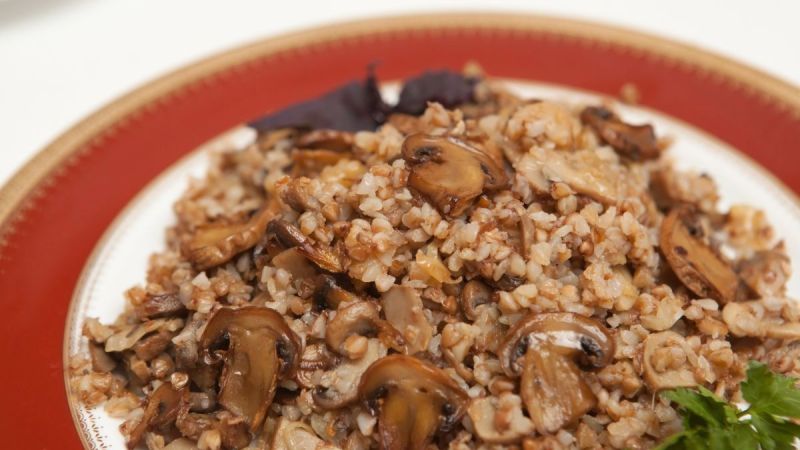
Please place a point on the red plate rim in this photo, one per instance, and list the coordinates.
(38, 178)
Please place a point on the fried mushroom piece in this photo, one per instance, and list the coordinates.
(767, 271)
(289, 236)
(695, 263)
(157, 306)
(756, 319)
(667, 361)
(412, 399)
(216, 244)
(637, 142)
(451, 173)
(348, 331)
(163, 406)
(544, 349)
(326, 139)
(262, 349)
(403, 309)
(474, 294)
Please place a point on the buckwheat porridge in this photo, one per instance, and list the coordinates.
(465, 270)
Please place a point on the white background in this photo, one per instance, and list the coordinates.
(62, 59)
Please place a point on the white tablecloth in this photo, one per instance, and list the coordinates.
(62, 59)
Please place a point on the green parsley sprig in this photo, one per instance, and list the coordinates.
(710, 422)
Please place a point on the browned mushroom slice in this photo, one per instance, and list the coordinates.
(544, 347)
(695, 263)
(499, 419)
(295, 435)
(295, 263)
(668, 362)
(340, 141)
(450, 173)
(474, 294)
(347, 332)
(127, 336)
(586, 171)
(315, 359)
(163, 305)
(213, 245)
(766, 272)
(262, 348)
(402, 307)
(339, 386)
(412, 399)
(297, 193)
(753, 319)
(328, 294)
(162, 408)
(290, 236)
(637, 142)
(232, 430)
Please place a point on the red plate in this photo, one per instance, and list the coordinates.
(56, 208)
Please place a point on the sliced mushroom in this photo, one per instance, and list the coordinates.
(295, 435)
(543, 347)
(232, 430)
(412, 399)
(289, 236)
(162, 408)
(402, 307)
(311, 162)
(215, 244)
(129, 335)
(151, 346)
(157, 306)
(667, 361)
(587, 172)
(101, 362)
(292, 261)
(766, 272)
(297, 193)
(697, 266)
(751, 319)
(262, 348)
(451, 173)
(637, 142)
(339, 387)
(340, 141)
(499, 420)
(315, 360)
(348, 331)
(329, 294)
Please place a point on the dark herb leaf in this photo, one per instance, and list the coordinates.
(448, 88)
(768, 392)
(353, 107)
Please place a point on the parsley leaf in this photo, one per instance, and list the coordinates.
(768, 392)
(704, 404)
(711, 422)
(775, 434)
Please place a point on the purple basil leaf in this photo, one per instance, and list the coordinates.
(354, 106)
(448, 88)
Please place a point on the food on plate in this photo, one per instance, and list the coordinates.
(464, 269)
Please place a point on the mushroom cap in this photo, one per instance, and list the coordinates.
(412, 398)
(697, 266)
(262, 349)
(449, 172)
(568, 334)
